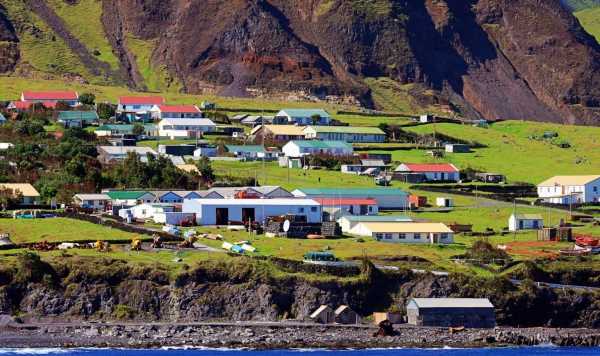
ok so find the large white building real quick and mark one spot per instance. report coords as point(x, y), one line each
point(159, 112)
point(185, 127)
point(387, 198)
point(313, 147)
point(405, 232)
point(570, 189)
point(303, 117)
point(226, 211)
point(137, 108)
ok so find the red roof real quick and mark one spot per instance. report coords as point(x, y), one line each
point(50, 95)
point(141, 100)
point(345, 201)
point(25, 105)
point(179, 108)
point(431, 167)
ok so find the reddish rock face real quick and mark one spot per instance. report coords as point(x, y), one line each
point(497, 59)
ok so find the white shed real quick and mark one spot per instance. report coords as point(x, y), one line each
point(518, 222)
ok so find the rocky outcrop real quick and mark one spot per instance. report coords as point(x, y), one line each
point(9, 44)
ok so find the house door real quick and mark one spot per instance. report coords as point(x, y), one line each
point(222, 216)
point(248, 215)
point(520, 224)
point(364, 209)
point(435, 239)
point(535, 224)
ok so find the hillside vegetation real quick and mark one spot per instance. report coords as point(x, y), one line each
point(578, 5)
point(590, 20)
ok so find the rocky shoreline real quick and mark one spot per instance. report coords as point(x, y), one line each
point(278, 336)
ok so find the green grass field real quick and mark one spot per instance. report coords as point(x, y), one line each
point(590, 20)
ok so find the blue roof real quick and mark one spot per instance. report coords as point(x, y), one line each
point(323, 144)
point(306, 112)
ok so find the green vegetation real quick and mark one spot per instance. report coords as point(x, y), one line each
point(59, 229)
point(39, 46)
point(590, 20)
point(83, 19)
point(577, 5)
point(372, 9)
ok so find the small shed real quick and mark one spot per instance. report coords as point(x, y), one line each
point(451, 312)
point(323, 315)
point(345, 315)
point(444, 202)
point(417, 201)
point(457, 148)
point(518, 222)
point(425, 118)
point(490, 177)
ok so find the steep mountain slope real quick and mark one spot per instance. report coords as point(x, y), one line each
point(498, 59)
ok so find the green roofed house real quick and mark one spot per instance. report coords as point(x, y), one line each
point(311, 147)
point(130, 197)
point(109, 130)
point(387, 198)
point(345, 133)
point(77, 118)
point(302, 117)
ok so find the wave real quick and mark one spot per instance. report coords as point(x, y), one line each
point(33, 351)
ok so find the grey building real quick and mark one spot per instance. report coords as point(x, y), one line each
point(451, 312)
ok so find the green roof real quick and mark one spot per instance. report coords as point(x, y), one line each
point(348, 130)
point(306, 112)
point(365, 192)
point(87, 116)
point(245, 148)
point(125, 194)
point(322, 144)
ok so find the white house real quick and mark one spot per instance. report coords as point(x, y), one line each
point(225, 211)
point(570, 189)
point(146, 211)
point(387, 198)
point(348, 222)
point(518, 222)
point(305, 148)
point(334, 208)
point(405, 232)
point(345, 133)
point(129, 197)
point(160, 112)
point(185, 127)
point(92, 201)
point(302, 117)
point(137, 108)
point(110, 154)
point(429, 171)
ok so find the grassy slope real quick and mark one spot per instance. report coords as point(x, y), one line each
point(590, 20)
point(512, 153)
point(577, 5)
point(83, 21)
point(40, 48)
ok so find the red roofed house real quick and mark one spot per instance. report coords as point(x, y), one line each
point(334, 208)
point(427, 172)
point(160, 112)
point(137, 108)
point(48, 98)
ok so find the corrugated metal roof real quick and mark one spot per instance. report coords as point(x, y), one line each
point(188, 122)
point(569, 180)
point(377, 218)
point(119, 150)
point(141, 100)
point(281, 130)
point(424, 303)
point(126, 194)
point(50, 95)
point(78, 115)
point(347, 129)
point(26, 189)
point(529, 216)
point(246, 148)
point(101, 196)
point(345, 201)
point(258, 202)
point(364, 192)
point(322, 144)
point(303, 112)
point(406, 227)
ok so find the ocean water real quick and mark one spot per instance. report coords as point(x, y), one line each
point(512, 351)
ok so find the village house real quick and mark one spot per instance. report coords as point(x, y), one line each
point(387, 198)
point(488, 177)
point(177, 150)
point(111, 154)
point(457, 148)
point(226, 211)
point(405, 232)
point(129, 197)
point(146, 211)
point(185, 127)
point(166, 196)
point(302, 117)
point(313, 147)
point(427, 172)
point(451, 312)
point(77, 118)
point(253, 121)
point(345, 133)
point(115, 130)
point(261, 192)
point(5, 146)
point(334, 208)
point(348, 222)
point(92, 201)
point(71, 98)
point(570, 189)
point(518, 222)
point(161, 112)
point(247, 152)
point(279, 133)
point(137, 108)
point(370, 167)
point(26, 192)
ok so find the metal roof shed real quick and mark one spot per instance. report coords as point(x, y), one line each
point(451, 312)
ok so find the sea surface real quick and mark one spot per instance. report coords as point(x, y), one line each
point(512, 351)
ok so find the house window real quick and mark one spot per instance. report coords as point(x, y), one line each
point(595, 189)
point(444, 236)
point(379, 236)
point(370, 209)
point(417, 236)
point(388, 236)
point(313, 209)
point(301, 210)
point(402, 236)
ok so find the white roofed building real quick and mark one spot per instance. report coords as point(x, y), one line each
point(185, 127)
point(570, 189)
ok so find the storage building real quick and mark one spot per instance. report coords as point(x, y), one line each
point(405, 232)
point(334, 208)
point(387, 198)
point(518, 222)
point(348, 222)
point(451, 312)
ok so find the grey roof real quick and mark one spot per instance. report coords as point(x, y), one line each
point(230, 191)
point(377, 218)
point(425, 303)
point(100, 196)
point(118, 150)
point(373, 162)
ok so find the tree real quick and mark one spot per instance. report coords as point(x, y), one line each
point(105, 111)
point(9, 197)
point(205, 169)
point(62, 106)
point(87, 98)
point(138, 129)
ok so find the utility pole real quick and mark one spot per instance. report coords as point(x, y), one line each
point(516, 222)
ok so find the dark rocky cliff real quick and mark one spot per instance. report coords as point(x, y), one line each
point(498, 59)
